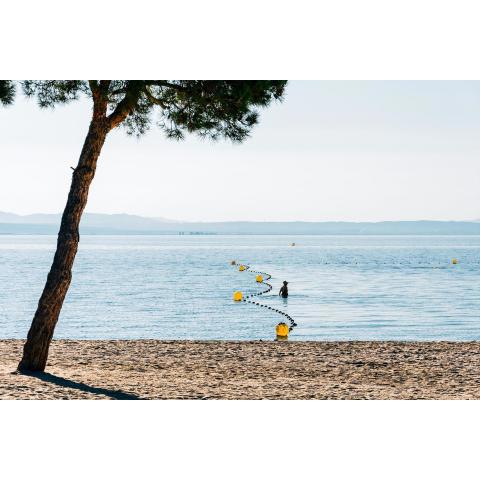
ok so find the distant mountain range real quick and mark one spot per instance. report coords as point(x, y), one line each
point(123, 224)
point(90, 220)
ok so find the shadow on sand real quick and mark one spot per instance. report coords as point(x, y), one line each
point(83, 387)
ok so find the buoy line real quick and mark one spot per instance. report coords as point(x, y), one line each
point(257, 294)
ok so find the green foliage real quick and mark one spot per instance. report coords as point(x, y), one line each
point(209, 108)
point(7, 92)
point(51, 92)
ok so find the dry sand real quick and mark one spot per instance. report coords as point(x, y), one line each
point(151, 369)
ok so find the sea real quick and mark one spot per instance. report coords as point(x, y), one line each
point(181, 287)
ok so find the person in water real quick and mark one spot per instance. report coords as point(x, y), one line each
point(284, 290)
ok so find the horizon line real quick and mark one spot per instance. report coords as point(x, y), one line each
point(168, 220)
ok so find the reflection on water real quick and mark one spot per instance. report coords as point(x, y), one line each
point(177, 287)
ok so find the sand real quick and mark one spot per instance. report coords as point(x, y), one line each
point(152, 369)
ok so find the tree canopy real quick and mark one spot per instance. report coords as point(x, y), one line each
point(209, 108)
point(7, 92)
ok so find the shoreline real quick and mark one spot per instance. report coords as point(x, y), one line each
point(189, 369)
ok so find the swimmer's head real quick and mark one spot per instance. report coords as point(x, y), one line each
point(285, 282)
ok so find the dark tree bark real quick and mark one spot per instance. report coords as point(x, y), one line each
point(35, 351)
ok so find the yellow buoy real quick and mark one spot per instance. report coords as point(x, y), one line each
point(282, 331)
point(259, 278)
point(237, 296)
point(241, 268)
point(454, 261)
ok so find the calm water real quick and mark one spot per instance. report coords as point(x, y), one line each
point(180, 287)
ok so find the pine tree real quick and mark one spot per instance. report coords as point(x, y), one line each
point(7, 92)
point(214, 109)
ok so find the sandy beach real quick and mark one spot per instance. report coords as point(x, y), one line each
point(152, 369)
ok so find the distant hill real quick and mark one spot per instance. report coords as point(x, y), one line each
point(123, 224)
point(120, 220)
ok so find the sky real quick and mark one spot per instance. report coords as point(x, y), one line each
point(331, 151)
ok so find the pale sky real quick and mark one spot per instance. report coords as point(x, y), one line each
point(353, 151)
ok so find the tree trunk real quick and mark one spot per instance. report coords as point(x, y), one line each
point(35, 350)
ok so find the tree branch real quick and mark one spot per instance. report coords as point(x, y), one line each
point(126, 105)
point(93, 84)
point(100, 99)
point(152, 98)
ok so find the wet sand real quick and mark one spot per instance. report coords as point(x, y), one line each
point(152, 369)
